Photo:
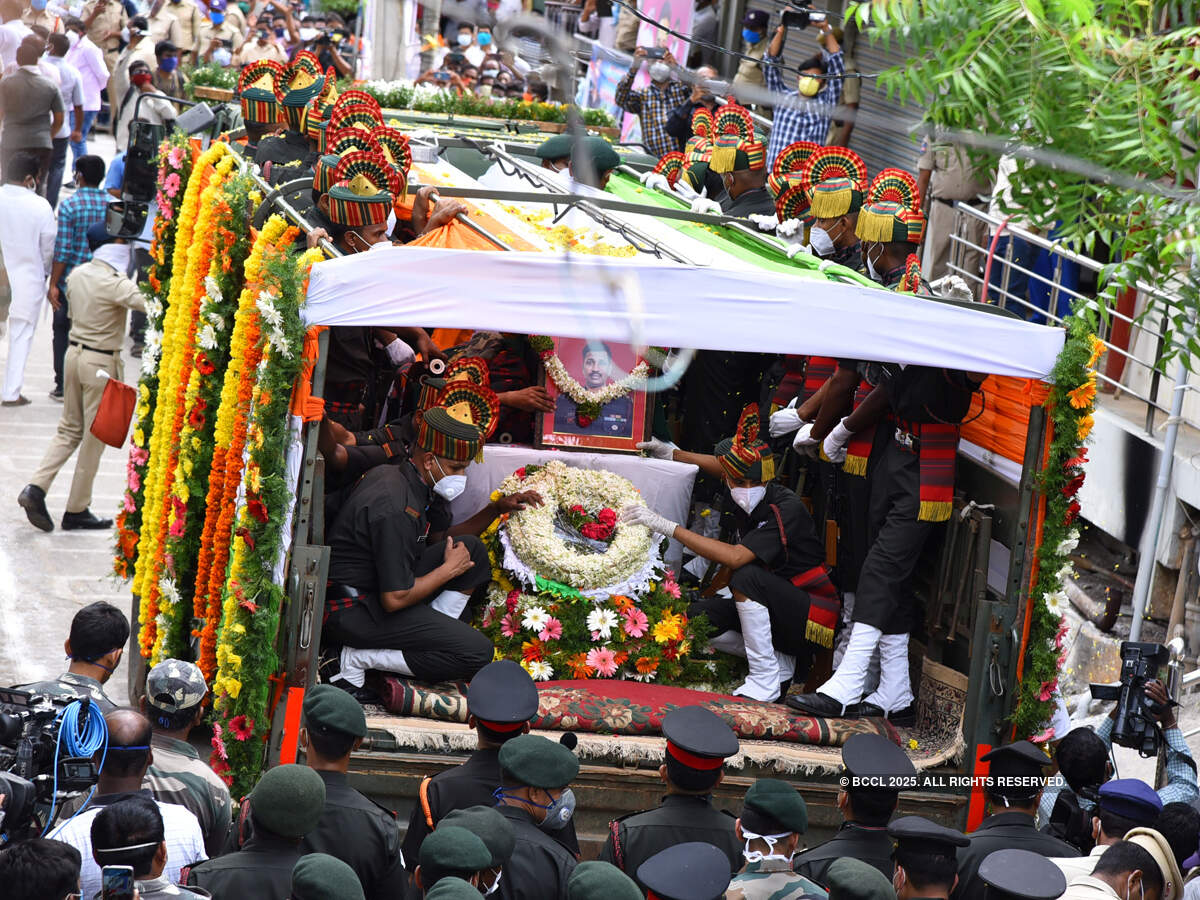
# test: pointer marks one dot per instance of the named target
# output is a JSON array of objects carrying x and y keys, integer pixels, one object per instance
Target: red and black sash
[
  {"x": 824, "y": 601},
  {"x": 858, "y": 451},
  {"x": 937, "y": 449}
]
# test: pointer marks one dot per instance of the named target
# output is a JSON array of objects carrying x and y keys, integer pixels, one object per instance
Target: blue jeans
[{"x": 79, "y": 148}]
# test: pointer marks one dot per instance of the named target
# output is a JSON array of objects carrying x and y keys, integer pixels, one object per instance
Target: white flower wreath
[
  {"x": 567, "y": 384},
  {"x": 532, "y": 548}
]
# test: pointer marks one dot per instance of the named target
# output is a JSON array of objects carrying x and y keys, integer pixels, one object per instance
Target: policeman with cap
[
  {"x": 535, "y": 798},
  {"x": 874, "y": 768},
  {"x": 1019, "y": 875},
  {"x": 1121, "y": 805},
  {"x": 351, "y": 827},
  {"x": 692, "y": 870},
  {"x": 486, "y": 823},
  {"x": 853, "y": 879},
  {"x": 598, "y": 880},
  {"x": 698, "y": 743},
  {"x": 319, "y": 876},
  {"x": 925, "y": 856},
  {"x": 1013, "y": 790},
  {"x": 451, "y": 851},
  {"x": 773, "y": 818},
  {"x": 501, "y": 700},
  {"x": 283, "y": 807}
]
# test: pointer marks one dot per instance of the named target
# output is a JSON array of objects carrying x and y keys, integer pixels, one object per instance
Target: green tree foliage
[{"x": 1100, "y": 102}]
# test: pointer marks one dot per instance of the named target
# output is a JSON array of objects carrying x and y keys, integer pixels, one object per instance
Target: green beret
[
  {"x": 853, "y": 879},
  {"x": 601, "y": 153},
  {"x": 487, "y": 824},
  {"x": 775, "y": 806},
  {"x": 535, "y": 761},
  {"x": 319, "y": 876},
  {"x": 332, "y": 709},
  {"x": 596, "y": 880},
  {"x": 288, "y": 800},
  {"x": 455, "y": 849},
  {"x": 557, "y": 147},
  {"x": 452, "y": 888}
]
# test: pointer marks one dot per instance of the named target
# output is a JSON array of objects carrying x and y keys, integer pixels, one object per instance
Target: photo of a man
[{"x": 616, "y": 416}]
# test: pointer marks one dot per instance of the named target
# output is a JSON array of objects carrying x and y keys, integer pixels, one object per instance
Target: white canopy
[{"x": 645, "y": 301}]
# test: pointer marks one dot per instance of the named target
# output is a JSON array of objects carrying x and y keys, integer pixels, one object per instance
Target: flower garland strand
[
  {"x": 588, "y": 402},
  {"x": 1070, "y": 403}
]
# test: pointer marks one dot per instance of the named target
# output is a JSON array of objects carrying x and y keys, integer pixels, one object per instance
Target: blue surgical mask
[
  {"x": 279, "y": 32},
  {"x": 750, "y": 37},
  {"x": 39, "y": 5},
  {"x": 169, "y": 63},
  {"x": 484, "y": 39},
  {"x": 217, "y": 17}
]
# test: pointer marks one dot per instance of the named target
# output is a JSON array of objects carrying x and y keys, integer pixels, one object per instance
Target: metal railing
[{"x": 1005, "y": 277}]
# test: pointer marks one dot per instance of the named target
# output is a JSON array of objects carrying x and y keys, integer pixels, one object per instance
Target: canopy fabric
[{"x": 645, "y": 301}]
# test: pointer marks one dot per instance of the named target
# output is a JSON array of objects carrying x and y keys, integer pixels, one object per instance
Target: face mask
[
  {"x": 750, "y": 37},
  {"x": 222, "y": 57},
  {"x": 495, "y": 885},
  {"x": 39, "y": 5},
  {"x": 1129, "y": 890},
  {"x": 279, "y": 32},
  {"x": 464, "y": 39},
  {"x": 659, "y": 71},
  {"x": 484, "y": 39},
  {"x": 808, "y": 86},
  {"x": 245, "y": 8},
  {"x": 821, "y": 242},
  {"x": 450, "y": 486},
  {"x": 72, "y": 38},
  {"x": 757, "y": 855},
  {"x": 217, "y": 17},
  {"x": 169, "y": 64},
  {"x": 141, "y": 79},
  {"x": 748, "y": 498},
  {"x": 871, "y": 272},
  {"x": 559, "y": 813},
  {"x": 307, "y": 34},
  {"x": 490, "y": 73},
  {"x": 125, "y": 35},
  {"x": 116, "y": 255}
]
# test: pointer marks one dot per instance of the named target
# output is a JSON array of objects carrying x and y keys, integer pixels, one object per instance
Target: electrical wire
[{"x": 80, "y": 743}]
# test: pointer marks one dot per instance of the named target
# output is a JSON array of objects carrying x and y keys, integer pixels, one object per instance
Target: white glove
[
  {"x": 764, "y": 223},
  {"x": 704, "y": 206},
  {"x": 658, "y": 449},
  {"x": 400, "y": 353},
  {"x": 784, "y": 421},
  {"x": 835, "y": 443},
  {"x": 636, "y": 514},
  {"x": 788, "y": 227},
  {"x": 656, "y": 181},
  {"x": 805, "y": 443},
  {"x": 685, "y": 190},
  {"x": 795, "y": 250}
]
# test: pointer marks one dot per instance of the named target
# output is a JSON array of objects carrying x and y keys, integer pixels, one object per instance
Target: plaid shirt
[
  {"x": 76, "y": 215},
  {"x": 1181, "y": 776},
  {"x": 808, "y": 119},
  {"x": 655, "y": 105}
]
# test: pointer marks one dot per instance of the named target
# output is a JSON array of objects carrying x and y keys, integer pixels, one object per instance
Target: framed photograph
[{"x": 595, "y": 386}]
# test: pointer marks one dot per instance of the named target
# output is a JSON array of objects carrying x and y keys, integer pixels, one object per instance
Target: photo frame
[{"x": 592, "y": 365}]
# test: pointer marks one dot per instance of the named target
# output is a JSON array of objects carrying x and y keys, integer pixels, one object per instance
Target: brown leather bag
[{"x": 115, "y": 412}]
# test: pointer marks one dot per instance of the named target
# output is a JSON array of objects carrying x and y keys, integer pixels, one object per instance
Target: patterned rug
[{"x": 606, "y": 707}]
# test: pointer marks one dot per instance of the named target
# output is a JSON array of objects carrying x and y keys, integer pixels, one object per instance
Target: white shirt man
[{"x": 89, "y": 60}]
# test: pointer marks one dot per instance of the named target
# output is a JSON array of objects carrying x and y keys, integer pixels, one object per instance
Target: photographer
[
  {"x": 39, "y": 869},
  {"x": 804, "y": 114},
  {"x": 679, "y": 123},
  {"x": 130, "y": 833},
  {"x": 334, "y": 47},
  {"x": 98, "y": 635},
  {"x": 654, "y": 102}
]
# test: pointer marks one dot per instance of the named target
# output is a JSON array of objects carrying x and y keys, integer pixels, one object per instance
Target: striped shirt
[
  {"x": 654, "y": 104},
  {"x": 76, "y": 215},
  {"x": 802, "y": 118}
]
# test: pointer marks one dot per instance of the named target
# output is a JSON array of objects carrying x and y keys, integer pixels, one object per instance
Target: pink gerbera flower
[
  {"x": 1046, "y": 735},
  {"x": 1047, "y": 691},
  {"x": 670, "y": 587},
  {"x": 603, "y": 661},
  {"x": 510, "y": 625},
  {"x": 636, "y": 624},
  {"x": 552, "y": 630}
]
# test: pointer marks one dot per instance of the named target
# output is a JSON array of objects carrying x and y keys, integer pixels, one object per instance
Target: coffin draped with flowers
[{"x": 576, "y": 594}]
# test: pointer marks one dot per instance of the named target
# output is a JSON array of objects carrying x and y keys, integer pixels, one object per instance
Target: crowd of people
[{"x": 503, "y": 821}]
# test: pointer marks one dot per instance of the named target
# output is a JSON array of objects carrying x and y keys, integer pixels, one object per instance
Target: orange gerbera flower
[
  {"x": 579, "y": 667},
  {"x": 646, "y": 664},
  {"x": 1083, "y": 396}
]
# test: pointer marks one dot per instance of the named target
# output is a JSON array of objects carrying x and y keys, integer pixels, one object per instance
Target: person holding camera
[
  {"x": 95, "y": 646},
  {"x": 679, "y": 123},
  {"x": 653, "y": 103},
  {"x": 804, "y": 114}
]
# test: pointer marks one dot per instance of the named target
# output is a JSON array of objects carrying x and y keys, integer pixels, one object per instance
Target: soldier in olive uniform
[
  {"x": 698, "y": 743},
  {"x": 487, "y": 824},
  {"x": 319, "y": 876},
  {"x": 98, "y": 635},
  {"x": 290, "y": 153},
  {"x": 1019, "y": 875},
  {"x": 866, "y": 810},
  {"x": 1011, "y": 824},
  {"x": 352, "y": 828},
  {"x": 773, "y": 818},
  {"x": 853, "y": 879},
  {"x": 926, "y": 858},
  {"x": 598, "y": 880},
  {"x": 692, "y": 870},
  {"x": 284, "y": 806},
  {"x": 501, "y": 701},
  {"x": 451, "y": 852},
  {"x": 536, "y": 799}
]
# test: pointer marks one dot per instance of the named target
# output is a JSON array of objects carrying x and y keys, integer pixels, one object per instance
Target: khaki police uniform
[{"x": 952, "y": 179}]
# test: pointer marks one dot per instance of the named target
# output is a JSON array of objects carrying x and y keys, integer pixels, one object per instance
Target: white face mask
[
  {"x": 495, "y": 885},
  {"x": 125, "y": 35},
  {"x": 464, "y": 39},
  {"x": 1129, "y": 890},
  {"x": 874, "y": 275},
  {"x": 659, "y": 71},
  {"x": 748, "y": 498},
  {"x": 449, "y": 486},
  {"x": 822, "y": 244},
  {"x": 307, "y": 34},
  {"x": 72, "y": 38},
  {"x": 116, "y": 255}
]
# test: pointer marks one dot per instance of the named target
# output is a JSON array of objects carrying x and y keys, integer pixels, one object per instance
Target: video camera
[
  {"x": 802, "y": 15},
  {"x": 1136, "y": 724},
  {"x": 33, "y": 776}
]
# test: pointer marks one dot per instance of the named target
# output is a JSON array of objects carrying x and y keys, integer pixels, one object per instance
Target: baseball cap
[
  {"x": 175, "y": 685},
  {"x": 757, "y": 19}
]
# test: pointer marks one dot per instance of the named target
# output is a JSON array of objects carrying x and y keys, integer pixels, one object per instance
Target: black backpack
[{"x": 1071, "y": 823}]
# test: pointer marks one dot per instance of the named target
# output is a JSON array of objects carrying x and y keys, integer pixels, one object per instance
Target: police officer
[
  {"x": 486, "y": 823},
  {"x": 926, "y": 858},
  {"x": 698, "y": 743},
  {"x": 1019, "y": 875},
  {"x": 783, "y": 601},
  {"x": 501, "y": 700},
  {"x": 1012, "y": 794},
  {"x": 598, "y": 880},
  {"x": 866, "y": 808},
  {"x": 351, "y": 827},
  {"x": 319, "y": 876},
  {"x": 853, "y": 879},
  {"x": 773, "y": 818},
  {"x": 692, "y": 870},
  {"x": 535, "y": 798},
  {"x": 451, "y": 851},
  {"x": 284, "y": 806}
]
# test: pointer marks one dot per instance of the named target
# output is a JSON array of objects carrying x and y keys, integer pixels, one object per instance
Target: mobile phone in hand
[
  {"x": 116, "y": 883},
  {"x": 656, "y": 52}
]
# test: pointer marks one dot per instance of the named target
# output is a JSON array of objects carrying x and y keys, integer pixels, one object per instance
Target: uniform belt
[
  {"x": 908, "y": 441},
  {"x": 92, "y": 349}
]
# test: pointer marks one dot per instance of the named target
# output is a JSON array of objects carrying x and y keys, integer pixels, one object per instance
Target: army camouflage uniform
[
  {"x": 70, "y": 686},
  {"x": 772, "y": 879}
]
